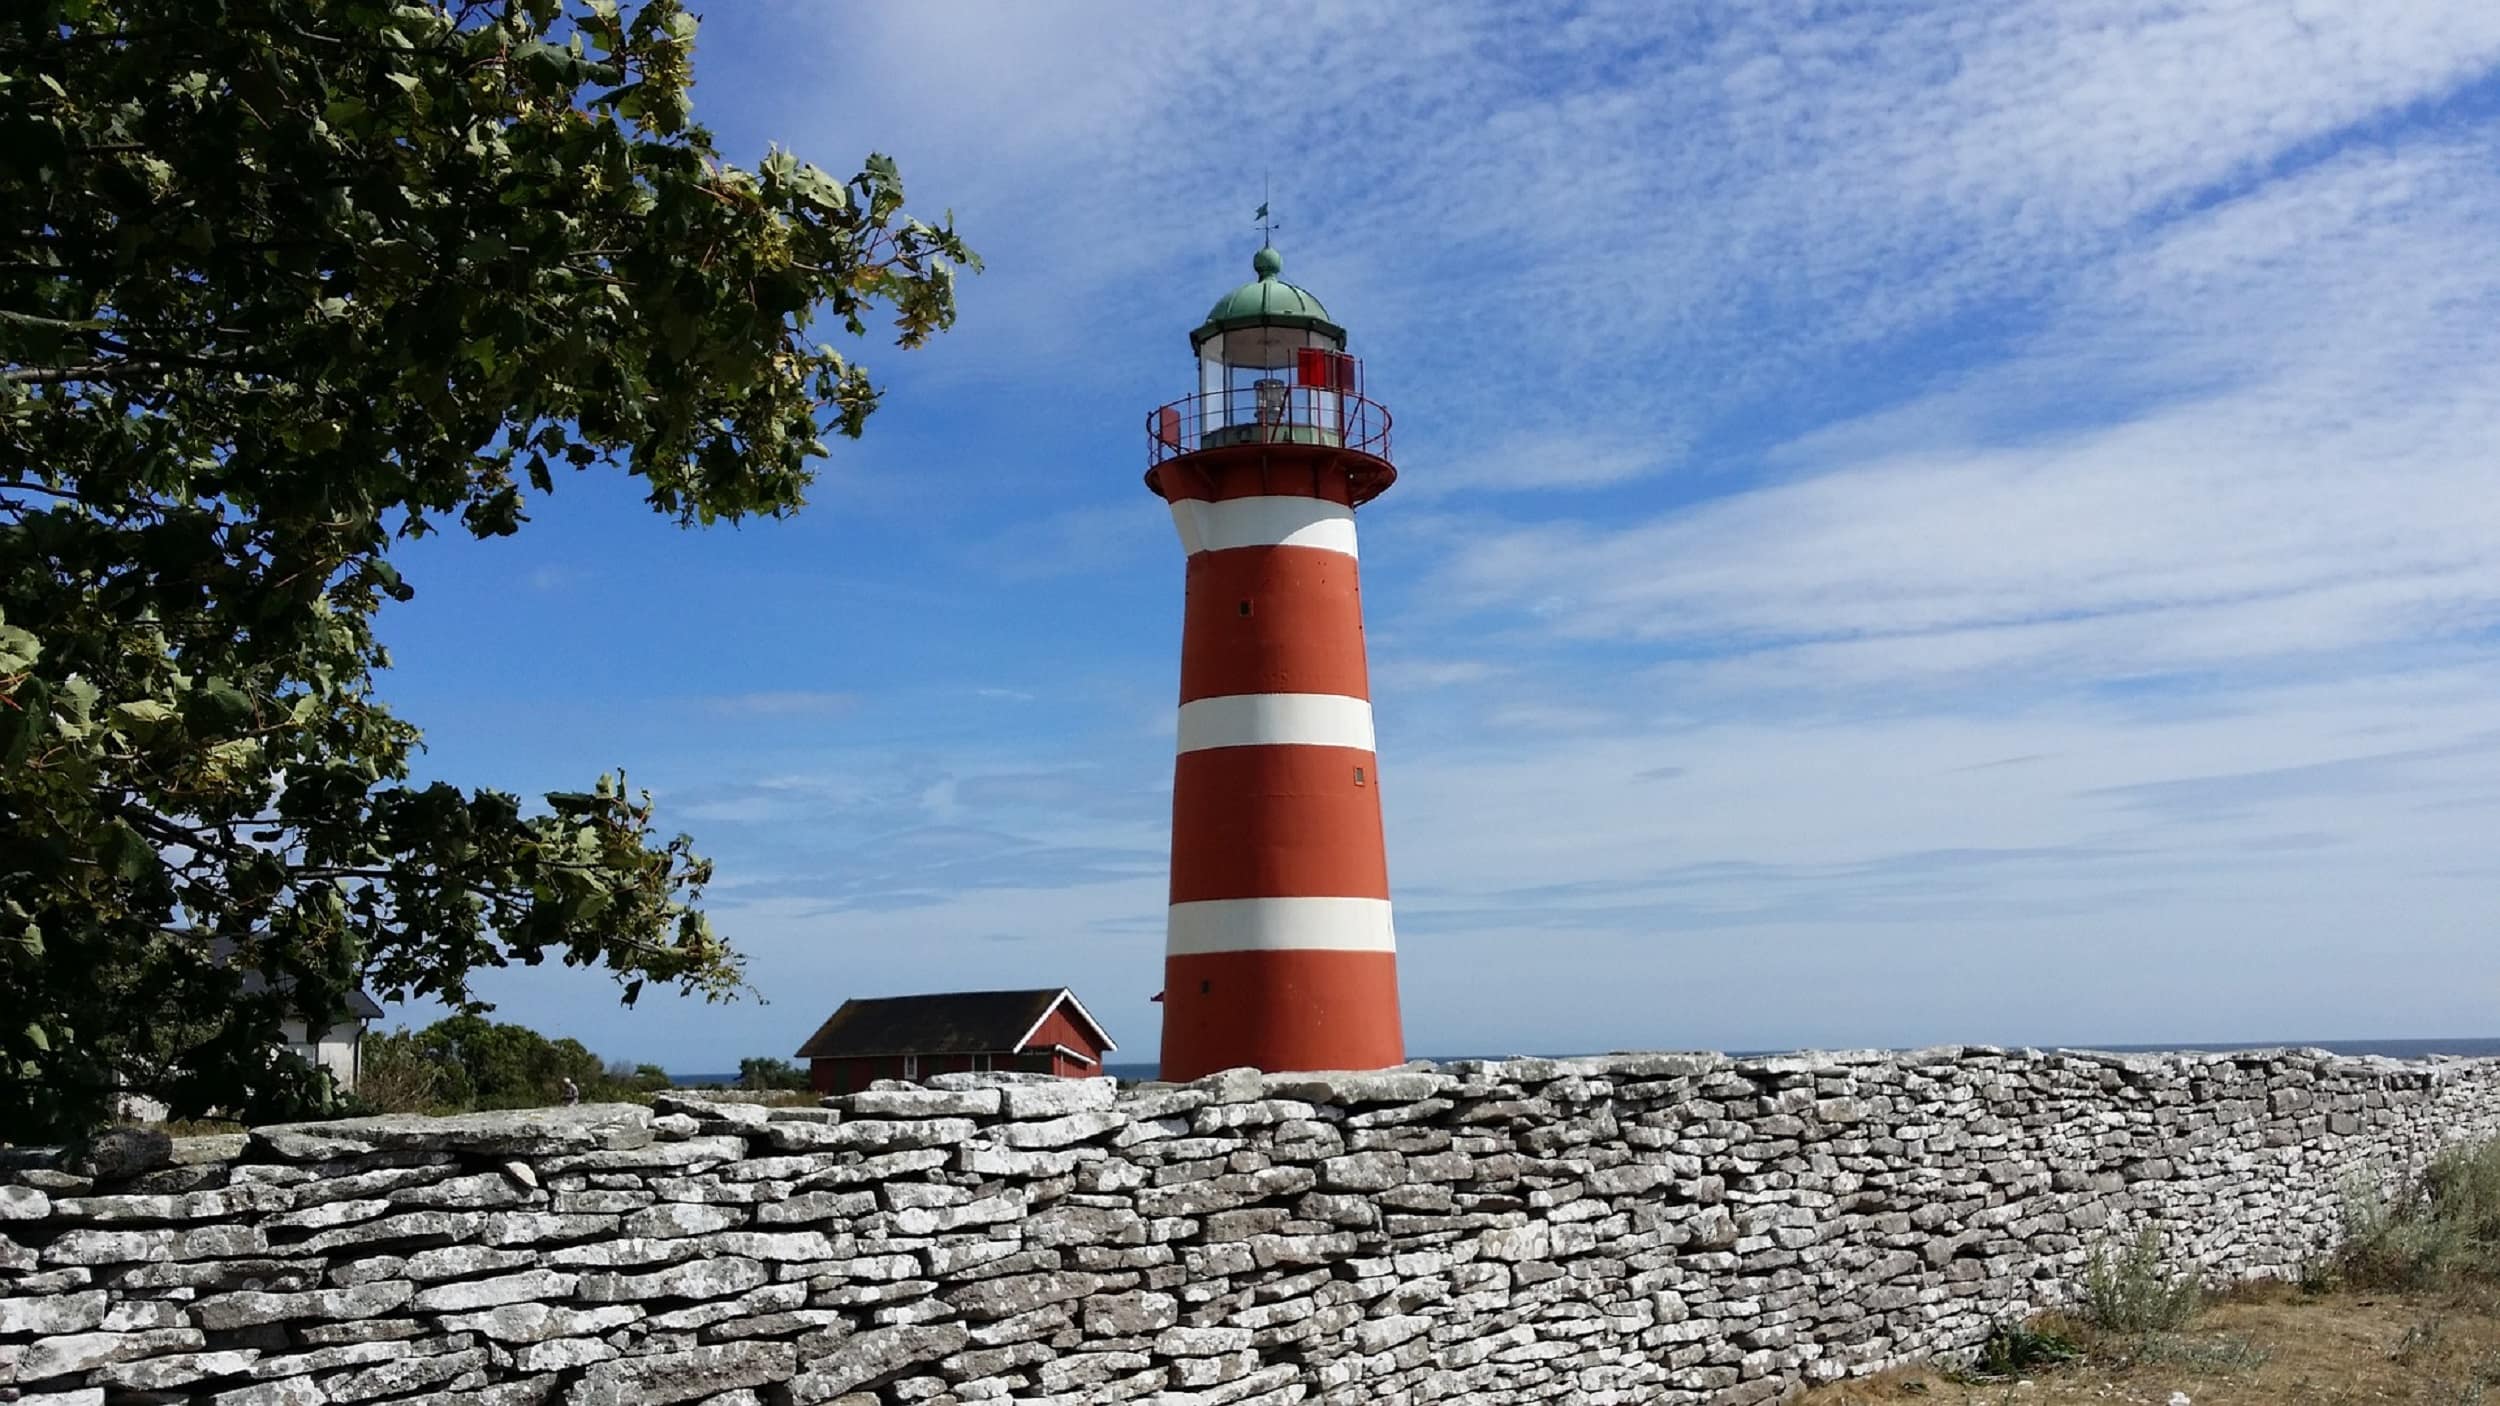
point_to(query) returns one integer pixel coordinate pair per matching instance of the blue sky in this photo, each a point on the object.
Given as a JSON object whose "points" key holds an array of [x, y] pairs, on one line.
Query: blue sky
{"points": [[1915, 524]]}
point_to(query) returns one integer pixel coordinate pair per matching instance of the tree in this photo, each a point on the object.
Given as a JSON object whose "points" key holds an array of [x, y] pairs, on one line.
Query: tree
{"points": [[283, 282], [760, 1073], [398, 1073], [466, 1061]]}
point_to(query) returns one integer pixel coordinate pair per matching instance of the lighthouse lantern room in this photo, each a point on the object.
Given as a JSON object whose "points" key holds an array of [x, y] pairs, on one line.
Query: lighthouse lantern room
{"points": [[1279, 950]]}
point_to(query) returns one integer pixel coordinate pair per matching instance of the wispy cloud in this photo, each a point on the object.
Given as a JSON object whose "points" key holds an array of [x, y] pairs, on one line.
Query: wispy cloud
{"points": [[1089, 540], [1525, 461], [1403, 673], [1618, 195], [782, 703], [2321, 486]]}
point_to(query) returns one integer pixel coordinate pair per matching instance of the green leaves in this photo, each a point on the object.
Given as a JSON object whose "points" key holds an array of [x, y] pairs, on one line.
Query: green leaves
{"points": [[294, 278], [19, 649], [123, 853], [143, 714], [217, 706]]}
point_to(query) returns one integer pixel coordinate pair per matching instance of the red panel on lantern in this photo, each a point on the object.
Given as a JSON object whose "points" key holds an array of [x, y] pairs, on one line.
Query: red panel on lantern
{"points": [[1310, 367]]}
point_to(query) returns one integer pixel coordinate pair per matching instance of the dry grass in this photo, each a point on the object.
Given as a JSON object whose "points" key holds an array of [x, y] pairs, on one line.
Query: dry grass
{"points": [[193, 1127], [2265, 1348]]}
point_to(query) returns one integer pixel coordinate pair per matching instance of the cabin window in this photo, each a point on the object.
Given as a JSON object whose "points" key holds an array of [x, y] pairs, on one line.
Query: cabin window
{"points": [[911, 1066], [980, 1064]]}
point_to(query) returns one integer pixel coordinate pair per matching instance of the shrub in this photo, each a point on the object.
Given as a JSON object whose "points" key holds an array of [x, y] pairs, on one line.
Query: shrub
{"points": [[466, 1062], [2018, 1348], [2436, 1228], [626, 1078], [762, 1075], [398, 1075], [2133, 1291]]}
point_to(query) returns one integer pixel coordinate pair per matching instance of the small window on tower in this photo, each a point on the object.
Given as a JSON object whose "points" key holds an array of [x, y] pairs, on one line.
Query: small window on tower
{"points": [[1245, 607], [1358, 776], [1205, 986]]}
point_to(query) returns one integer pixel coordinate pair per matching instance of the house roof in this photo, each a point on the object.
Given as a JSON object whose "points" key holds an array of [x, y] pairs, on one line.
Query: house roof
{"points": [[951, 1022], [221, 950]]}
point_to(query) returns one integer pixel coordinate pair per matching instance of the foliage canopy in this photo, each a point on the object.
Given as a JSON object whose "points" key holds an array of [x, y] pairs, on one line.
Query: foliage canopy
{"points": [[467, 1062], [761, 1074], [281, 283]]}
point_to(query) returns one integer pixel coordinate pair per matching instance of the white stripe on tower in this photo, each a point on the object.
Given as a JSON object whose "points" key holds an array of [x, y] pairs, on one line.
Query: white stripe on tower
{"points": [[1263, 522], [1281, 925], [1276, 719]]}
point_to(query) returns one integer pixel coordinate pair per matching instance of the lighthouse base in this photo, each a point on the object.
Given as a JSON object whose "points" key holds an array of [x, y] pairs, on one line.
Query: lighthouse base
{"points": [[1277, 1010]]}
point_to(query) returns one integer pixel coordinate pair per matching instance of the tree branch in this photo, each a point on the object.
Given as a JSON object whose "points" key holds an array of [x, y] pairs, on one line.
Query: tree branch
{"points": [[92, 371]]}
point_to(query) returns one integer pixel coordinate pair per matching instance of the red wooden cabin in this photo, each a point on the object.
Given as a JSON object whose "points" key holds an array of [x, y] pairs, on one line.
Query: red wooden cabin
{"points": [[912, 1037]]}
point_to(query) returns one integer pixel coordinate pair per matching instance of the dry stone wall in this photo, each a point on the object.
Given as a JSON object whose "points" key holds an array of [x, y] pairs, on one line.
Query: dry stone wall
{"points": [[1650, 1228]]}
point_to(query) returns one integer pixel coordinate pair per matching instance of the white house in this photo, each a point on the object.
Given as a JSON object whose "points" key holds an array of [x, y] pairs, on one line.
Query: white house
{"points": [[338, 1049]]}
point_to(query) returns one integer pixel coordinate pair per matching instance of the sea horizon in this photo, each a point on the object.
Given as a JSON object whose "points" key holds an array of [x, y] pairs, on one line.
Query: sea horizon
{"points": [[2461, 1047]]}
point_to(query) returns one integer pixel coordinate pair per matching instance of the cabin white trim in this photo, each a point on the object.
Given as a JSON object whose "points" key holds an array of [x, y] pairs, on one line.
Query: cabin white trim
{"points": [[1069, 997]]}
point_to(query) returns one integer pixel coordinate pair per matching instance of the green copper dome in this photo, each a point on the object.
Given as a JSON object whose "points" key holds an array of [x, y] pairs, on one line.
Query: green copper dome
{"points": [[1266, 301]]}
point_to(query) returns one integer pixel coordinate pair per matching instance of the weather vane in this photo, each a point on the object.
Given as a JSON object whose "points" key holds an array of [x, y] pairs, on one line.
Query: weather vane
{"points": [[1267, 227]]}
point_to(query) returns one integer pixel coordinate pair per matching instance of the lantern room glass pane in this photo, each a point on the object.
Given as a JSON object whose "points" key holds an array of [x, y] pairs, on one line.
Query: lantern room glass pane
{"points": [[1269, 347], [1211, 397], [1251, 387]]}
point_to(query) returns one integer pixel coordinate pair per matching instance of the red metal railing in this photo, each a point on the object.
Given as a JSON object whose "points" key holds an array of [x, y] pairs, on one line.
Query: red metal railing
{"points": [[1269, 415]]}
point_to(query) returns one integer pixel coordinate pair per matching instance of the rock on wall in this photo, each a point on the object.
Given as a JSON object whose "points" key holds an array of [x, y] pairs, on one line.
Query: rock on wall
{"points": [[1647, 1228]]}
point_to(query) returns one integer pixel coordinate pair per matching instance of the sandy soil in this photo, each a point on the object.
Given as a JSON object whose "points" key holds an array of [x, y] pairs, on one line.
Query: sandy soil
{"points": [[2276, 1349]]}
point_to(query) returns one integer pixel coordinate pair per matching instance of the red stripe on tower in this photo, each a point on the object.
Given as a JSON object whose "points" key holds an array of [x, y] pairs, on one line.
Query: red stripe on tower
{"points": [[1279, 952]]}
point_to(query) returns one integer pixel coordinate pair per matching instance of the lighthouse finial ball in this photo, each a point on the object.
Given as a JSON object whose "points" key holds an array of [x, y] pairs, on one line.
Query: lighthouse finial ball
{"points": [[1267, 263]]}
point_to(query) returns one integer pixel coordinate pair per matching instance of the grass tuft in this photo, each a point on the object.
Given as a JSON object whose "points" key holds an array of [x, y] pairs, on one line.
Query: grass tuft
{"points": [[2016, 1349]]}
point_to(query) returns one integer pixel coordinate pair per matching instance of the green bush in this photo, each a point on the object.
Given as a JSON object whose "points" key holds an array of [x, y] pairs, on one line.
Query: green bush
{"points": [[397, 1073], [2437, 1228], [762, 1075], [2133, 1292], [468, 1062], [625, 1078], [2015, 1349]]}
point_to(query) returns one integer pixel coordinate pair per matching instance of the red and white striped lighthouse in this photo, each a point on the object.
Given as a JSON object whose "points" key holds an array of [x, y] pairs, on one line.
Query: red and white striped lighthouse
{"points": [[1279, 952]]}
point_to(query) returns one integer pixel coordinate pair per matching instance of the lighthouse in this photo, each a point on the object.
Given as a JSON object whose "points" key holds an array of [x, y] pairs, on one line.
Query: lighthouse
{"points": [[1279, 953]]}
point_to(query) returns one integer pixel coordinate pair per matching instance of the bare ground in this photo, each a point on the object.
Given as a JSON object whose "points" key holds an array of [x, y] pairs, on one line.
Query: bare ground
{"points": [[2268, 1348]]}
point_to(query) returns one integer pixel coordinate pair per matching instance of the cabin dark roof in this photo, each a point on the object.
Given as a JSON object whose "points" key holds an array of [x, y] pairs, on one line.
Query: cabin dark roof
{"points": [[951, 1022], [221, 950]]}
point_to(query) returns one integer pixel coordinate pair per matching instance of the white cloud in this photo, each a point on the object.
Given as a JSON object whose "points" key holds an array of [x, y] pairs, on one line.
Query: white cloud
{"points": [[1094, 540], [1509, 203], [1530, 461], [2322, 485], [782, 703], [1402, 673]]}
